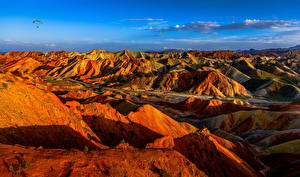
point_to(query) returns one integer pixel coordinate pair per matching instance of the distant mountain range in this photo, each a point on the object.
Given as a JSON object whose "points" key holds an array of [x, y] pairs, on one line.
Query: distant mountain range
{"points": [[250, 51], [295, 47], [170, 50], [274, 50]]}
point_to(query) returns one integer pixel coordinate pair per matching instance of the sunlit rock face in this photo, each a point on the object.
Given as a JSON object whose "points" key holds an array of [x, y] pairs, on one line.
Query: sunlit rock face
{"points": [[147, 114]]}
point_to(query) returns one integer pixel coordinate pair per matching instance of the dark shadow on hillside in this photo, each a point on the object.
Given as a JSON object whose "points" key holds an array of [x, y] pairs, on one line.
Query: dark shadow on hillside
{"points": [[282, 164], [52, 136], [60, 136], [253, 84], [200, 150], [111, 132]]}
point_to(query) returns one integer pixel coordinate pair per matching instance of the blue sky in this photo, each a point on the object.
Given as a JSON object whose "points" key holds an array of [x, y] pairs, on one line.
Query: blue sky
{"points": [[82, 25]]}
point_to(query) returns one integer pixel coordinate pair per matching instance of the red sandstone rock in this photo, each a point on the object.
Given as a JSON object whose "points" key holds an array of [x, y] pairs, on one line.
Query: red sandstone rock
{"points": [[166, 142]]}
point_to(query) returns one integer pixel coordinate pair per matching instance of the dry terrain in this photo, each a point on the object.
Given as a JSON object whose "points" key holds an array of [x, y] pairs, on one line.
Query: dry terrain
{"points": [[127, 113]]}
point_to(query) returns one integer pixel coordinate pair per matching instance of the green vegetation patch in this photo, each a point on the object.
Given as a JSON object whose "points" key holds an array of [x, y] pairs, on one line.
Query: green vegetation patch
{"points": [[122, 141], [85, 149], [17, 169], [25, 164], [164, 173], [5, 85]]}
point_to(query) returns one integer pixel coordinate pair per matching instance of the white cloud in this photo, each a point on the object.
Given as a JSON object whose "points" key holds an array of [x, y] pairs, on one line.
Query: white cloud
{"points": [[257, 24], [50, 45], [145, 19], [206, 27], [199, 26]]}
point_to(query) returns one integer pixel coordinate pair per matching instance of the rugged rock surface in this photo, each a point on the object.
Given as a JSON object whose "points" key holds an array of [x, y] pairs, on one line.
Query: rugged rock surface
{"points": [[225, 163], [156, 114], [31, 116], [189, 72], [113, 162], [202, 83]]}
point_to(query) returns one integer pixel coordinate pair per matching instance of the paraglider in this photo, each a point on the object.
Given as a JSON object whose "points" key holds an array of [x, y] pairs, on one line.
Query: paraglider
{"points": [[38, 23]]}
